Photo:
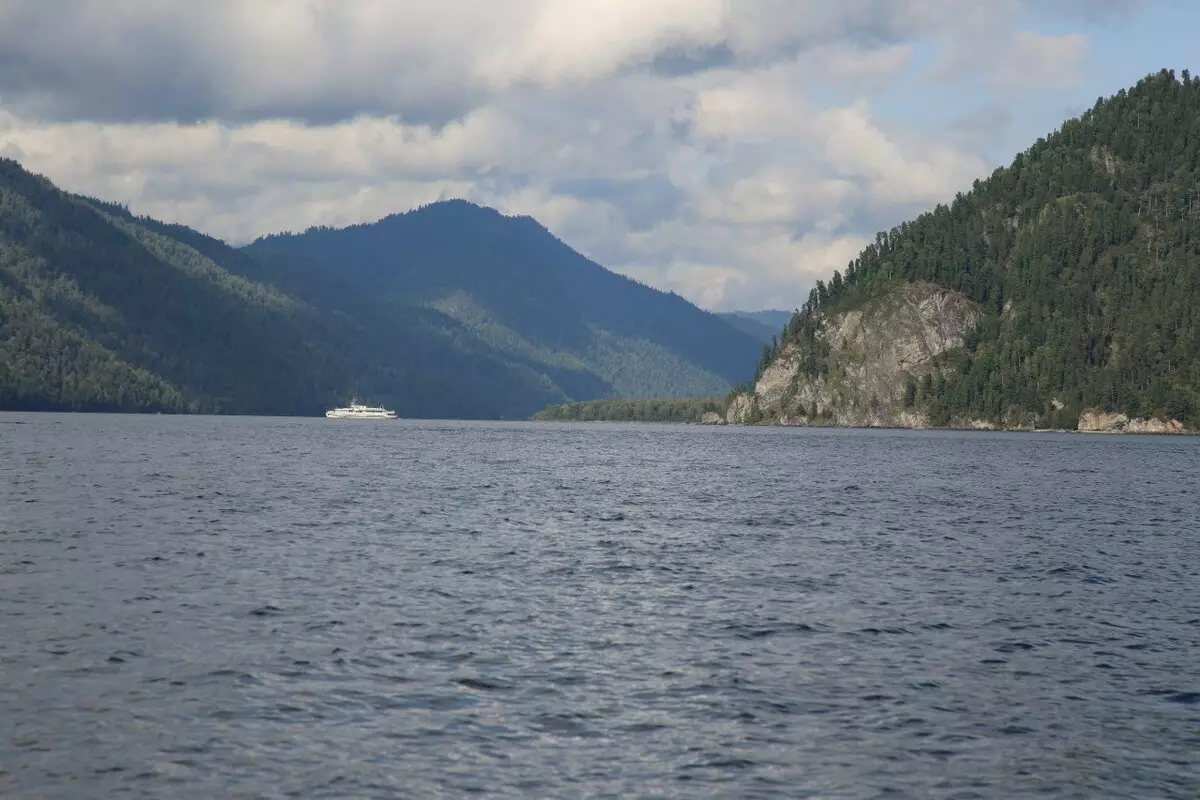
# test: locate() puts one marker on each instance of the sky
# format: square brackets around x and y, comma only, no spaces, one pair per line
[733,151]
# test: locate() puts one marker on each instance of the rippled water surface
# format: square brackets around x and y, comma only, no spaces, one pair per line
[222,607]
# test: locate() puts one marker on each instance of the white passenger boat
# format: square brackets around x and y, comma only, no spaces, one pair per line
[357,410]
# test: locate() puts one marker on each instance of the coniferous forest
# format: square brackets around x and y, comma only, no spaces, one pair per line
[1085,256]
[648,409]
[449,311]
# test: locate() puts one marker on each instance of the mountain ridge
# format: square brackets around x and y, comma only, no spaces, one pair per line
[534,291]
[102,310]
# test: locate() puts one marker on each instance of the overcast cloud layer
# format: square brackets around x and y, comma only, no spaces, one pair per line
[731,150]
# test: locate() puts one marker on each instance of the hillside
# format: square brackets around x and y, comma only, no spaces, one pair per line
[100,313]
[1074,275]
[104,311]
[507,281]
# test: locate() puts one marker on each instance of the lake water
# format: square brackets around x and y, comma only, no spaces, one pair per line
[233,607]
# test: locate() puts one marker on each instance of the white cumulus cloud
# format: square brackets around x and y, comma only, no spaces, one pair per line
[731,150]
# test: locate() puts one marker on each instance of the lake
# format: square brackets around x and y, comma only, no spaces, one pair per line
[198,607]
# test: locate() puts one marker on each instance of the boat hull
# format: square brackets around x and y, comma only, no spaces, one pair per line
[360,415]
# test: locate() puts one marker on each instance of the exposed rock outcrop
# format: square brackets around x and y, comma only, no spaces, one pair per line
[1093,421]
[874,352]
[711,418]
[741,410]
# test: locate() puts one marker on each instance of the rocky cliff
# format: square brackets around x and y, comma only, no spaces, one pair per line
[874,360]
[1093,421]
[874,366]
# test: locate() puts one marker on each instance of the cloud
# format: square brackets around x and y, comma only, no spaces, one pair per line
[1097,11]
[326,60]
[580,40]
[1017,60]
[1040,60]
[987,43]
[732,151]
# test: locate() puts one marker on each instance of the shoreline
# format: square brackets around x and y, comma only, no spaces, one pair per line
[694,423]
[963,428]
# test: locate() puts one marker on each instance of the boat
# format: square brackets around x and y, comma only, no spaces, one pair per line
[357,410]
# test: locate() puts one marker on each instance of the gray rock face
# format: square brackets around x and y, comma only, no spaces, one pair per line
[874,350]
[740,410]
[1093,421]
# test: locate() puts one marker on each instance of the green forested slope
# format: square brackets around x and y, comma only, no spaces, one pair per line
[522,291]
[1085,254]
[100,310]
[101,313]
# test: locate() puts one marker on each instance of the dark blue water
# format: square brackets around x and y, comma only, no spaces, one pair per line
[207,607]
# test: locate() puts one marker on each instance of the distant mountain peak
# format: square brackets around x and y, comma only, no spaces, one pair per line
[461,208]
[450,204]
[451,209]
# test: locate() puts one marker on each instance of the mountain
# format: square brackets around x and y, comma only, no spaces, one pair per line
[541,306]
[1063,291]
[104,311]
[98,312]
[762,325]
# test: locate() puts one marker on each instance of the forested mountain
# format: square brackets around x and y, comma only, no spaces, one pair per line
[513,285]
[100,310]
[1082,259]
